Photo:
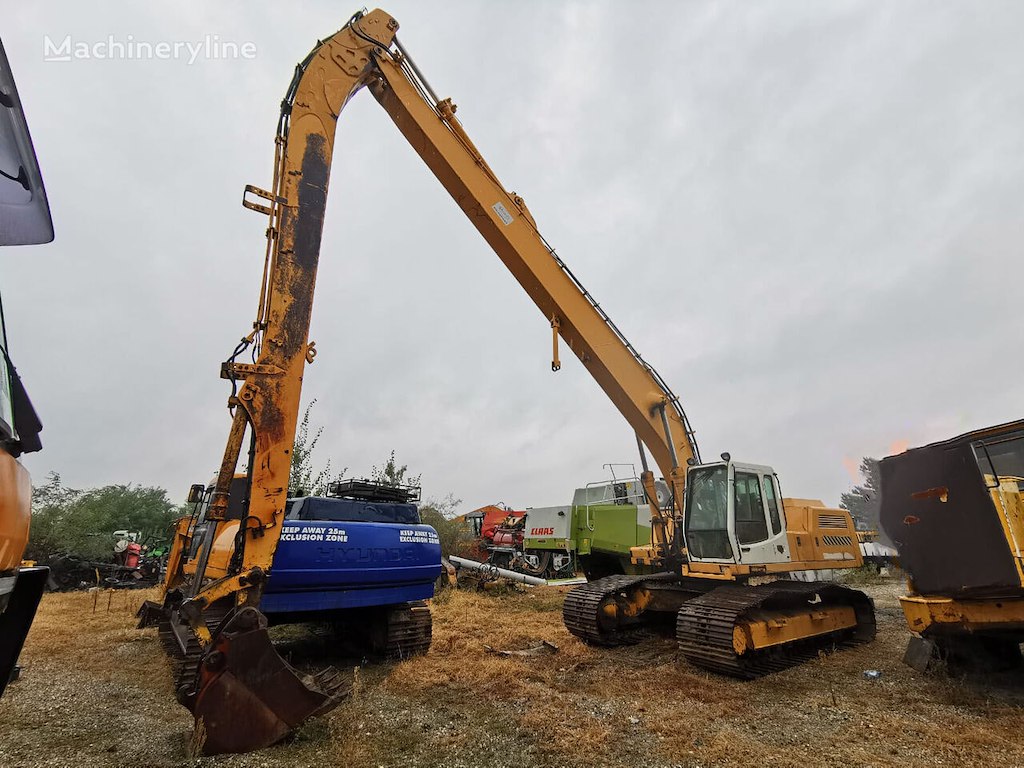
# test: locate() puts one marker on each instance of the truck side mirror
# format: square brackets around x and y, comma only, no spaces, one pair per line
[195,493]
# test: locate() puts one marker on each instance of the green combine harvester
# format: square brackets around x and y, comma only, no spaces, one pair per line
[592,536]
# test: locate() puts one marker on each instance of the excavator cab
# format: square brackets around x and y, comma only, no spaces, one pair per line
[734,514]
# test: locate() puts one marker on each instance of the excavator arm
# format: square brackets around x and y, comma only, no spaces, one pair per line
[636,389]
[233,660]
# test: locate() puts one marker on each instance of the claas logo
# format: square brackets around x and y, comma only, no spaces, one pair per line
[542,531]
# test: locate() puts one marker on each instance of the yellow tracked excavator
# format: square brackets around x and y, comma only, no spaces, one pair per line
[726,521]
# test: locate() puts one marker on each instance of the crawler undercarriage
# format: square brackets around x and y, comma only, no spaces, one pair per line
[740,630]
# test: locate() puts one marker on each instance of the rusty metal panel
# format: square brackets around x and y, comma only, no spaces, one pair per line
[941,517]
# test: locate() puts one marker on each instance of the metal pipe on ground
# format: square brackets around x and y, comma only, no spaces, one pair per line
[495,571]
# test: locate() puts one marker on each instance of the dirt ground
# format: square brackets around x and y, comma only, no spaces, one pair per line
[97,692]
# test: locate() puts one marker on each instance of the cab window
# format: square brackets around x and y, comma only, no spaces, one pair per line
[1001,460]
[771,499]
[751,526]
[707,513]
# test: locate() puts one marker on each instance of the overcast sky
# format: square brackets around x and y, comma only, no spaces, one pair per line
[806,215]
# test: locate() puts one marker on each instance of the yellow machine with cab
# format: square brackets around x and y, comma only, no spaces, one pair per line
[955,511]
[242,694]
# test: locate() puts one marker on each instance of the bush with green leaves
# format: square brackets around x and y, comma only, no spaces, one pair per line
[68,521]
[456,537]
[305,478]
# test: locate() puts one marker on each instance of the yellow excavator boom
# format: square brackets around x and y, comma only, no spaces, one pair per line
[266,392]
[227,676]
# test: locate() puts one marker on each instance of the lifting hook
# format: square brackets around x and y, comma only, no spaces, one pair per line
[555,362]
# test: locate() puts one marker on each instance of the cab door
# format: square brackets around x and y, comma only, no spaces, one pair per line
[709,520]
[758,517]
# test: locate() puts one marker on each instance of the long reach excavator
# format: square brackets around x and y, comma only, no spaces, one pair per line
[724,523]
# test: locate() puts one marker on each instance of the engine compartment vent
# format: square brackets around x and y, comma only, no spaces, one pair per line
[832,521]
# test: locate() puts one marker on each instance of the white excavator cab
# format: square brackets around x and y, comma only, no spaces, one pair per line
[734,514]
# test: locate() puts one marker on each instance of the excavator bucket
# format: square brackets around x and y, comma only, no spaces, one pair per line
[243,695]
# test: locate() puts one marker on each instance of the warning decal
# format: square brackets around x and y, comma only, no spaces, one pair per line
[407,536]
[297,533]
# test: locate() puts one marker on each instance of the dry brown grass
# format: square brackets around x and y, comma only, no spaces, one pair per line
[98,692]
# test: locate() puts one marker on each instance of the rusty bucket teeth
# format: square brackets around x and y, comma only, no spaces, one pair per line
[247,697]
